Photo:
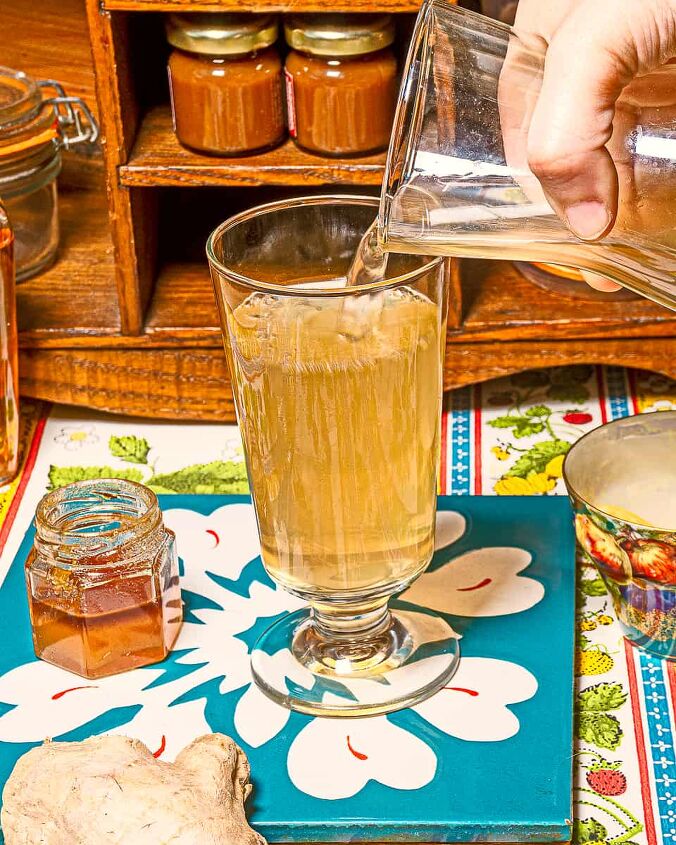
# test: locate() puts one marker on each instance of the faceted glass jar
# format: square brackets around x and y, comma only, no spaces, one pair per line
[102,579]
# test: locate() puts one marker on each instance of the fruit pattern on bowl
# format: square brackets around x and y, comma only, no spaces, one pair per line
[638,565]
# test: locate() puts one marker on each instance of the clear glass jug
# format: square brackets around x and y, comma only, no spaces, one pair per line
[457,180]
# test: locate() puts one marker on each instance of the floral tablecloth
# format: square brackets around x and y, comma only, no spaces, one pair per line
[506,437]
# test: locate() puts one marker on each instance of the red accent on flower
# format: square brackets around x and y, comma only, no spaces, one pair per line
[471,692]
[577,417]
[214,535]
[58,695]
[478,586]
[160,751]
[354,753]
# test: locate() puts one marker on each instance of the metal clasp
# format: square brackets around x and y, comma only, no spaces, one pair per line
[76,122]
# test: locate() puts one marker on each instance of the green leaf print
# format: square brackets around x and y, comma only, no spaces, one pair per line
[600,729]
[592,587]
[60,476]
[522,426]
[538,411]
[132,449]
[601,697]
[531,378]
[214,477]
[589,830]
[537,458]
[576,393]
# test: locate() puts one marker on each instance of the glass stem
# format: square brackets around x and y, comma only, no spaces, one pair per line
[352,621]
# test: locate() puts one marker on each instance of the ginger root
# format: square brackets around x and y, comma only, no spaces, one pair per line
[110,790]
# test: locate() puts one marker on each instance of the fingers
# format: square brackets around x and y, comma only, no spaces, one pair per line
[594,53]
[599,282]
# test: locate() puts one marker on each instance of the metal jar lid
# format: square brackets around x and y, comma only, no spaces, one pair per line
[339,35]
[221,34]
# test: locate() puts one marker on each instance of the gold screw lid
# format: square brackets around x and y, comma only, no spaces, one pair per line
[221,34]
[339,35]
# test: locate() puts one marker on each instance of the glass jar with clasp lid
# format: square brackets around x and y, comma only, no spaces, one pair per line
[37,121]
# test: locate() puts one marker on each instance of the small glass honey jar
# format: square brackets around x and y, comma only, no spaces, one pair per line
[102,579]
[341,82]
[225,80]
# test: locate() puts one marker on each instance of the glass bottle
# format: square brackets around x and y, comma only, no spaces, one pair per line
[9,381]
[102,578]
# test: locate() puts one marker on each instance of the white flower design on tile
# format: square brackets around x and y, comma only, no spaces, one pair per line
[336,758]
[74,437]
[213,653]
[482,582]
[475,704]
[222,543]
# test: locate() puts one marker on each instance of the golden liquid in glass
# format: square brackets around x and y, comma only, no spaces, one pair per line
[339,404]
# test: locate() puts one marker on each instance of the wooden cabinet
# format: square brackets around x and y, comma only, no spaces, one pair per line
[126,320]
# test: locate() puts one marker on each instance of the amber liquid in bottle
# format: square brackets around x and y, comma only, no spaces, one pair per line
[9,418]
[124,623]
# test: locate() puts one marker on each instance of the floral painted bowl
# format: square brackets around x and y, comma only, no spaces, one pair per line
[621,478]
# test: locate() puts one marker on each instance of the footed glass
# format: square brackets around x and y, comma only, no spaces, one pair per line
[457,180]
[338,395]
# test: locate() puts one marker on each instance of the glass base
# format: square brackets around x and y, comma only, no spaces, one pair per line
[398,660]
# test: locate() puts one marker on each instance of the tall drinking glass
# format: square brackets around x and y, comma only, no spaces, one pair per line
[458,181]
[338,395]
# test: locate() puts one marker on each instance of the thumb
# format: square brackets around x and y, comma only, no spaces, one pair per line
[600,47]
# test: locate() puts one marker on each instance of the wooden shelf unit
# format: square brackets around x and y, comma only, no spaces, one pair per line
[393,6]
[133,327]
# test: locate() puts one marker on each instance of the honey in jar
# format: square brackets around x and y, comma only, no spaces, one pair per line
[341,82]
[226,82]
[102,579]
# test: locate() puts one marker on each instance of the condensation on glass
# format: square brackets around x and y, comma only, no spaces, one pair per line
[37,121]
[102,579]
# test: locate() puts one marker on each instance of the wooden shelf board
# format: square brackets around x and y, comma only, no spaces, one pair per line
[193,384]
[71,306]
[500,304]
[158,159]
[183,307]
[256,6]
[75,299]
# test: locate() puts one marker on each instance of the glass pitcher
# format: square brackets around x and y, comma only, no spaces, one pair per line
[457,180]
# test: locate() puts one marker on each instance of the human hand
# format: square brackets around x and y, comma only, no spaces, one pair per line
[594,49]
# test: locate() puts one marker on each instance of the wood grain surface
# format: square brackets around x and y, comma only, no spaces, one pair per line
[261,5]
[157,158]
[193,384]
[76,297]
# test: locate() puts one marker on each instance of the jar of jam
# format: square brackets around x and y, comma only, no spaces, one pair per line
[102,578]
[37,121]
[226,82]
[341,82]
